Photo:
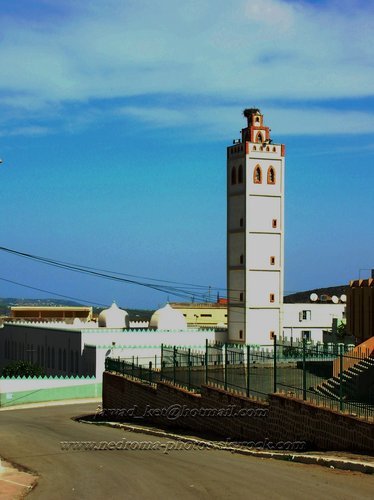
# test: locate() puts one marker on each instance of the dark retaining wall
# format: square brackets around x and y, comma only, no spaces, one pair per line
[282,419]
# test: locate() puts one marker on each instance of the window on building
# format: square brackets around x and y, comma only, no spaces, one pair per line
[240,174]
[272,297]
[274,223]
[71,367]
[241,334]
[305,315]
[241,259]
[257,175]
[233,175]
[259,137]
[271,175]
[241,222]
[205,315]
[272,335]
[241,297]
[306,335]
[76,362]
[272,260]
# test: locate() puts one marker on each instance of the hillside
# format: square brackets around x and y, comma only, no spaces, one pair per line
[301,297]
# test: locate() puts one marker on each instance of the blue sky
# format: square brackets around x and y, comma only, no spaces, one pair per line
[114,123]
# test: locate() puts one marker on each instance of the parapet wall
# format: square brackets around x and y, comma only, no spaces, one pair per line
[282,419]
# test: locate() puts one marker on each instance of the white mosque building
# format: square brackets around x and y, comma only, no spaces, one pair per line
[80,349]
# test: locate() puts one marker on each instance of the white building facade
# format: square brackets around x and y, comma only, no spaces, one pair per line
[309,320]
[255,233]
[80,349]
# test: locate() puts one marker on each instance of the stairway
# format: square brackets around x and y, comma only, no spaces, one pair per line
[356,383]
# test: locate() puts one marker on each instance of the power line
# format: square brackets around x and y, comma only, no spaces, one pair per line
[177,291]
[181,291]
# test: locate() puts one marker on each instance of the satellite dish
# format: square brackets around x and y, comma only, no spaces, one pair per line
[313,297]
[335,299]
[343,298]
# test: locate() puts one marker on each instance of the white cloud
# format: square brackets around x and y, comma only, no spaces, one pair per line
[31,130]
[250,50]
[220,121]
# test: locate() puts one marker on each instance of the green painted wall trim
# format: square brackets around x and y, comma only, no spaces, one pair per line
[52,394]
[50,377]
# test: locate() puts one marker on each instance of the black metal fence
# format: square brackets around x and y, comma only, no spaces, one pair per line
[315,373]
[136,372]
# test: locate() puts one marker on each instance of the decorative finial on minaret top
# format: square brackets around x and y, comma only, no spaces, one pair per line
[255,130]
[250,113]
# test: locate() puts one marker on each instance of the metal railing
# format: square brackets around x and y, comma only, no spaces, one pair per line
[136,372]
[303,371]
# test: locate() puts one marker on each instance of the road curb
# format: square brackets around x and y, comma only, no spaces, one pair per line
[331,462]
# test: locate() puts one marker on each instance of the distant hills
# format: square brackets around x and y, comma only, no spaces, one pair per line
[145,314]
[301,297]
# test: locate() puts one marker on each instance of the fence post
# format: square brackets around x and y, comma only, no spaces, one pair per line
[225,374]
[248,363]
[150,372]
[206,361]
[140,372]
[275,364]
[174,362]
[162,361]
[341,377]
[304,369]
[132,368]
[189,369]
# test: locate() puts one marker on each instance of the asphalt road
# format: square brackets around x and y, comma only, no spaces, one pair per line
[31,438]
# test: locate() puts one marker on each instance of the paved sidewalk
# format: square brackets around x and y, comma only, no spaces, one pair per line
[14,483]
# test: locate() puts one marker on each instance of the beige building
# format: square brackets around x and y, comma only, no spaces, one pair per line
[203,315]
[66,314]
[360,309]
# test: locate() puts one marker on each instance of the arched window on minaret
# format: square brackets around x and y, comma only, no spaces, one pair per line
[240,174]
[271,175]
[257,175]
[259,137]
[233,175]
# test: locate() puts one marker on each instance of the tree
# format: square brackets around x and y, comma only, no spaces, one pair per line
[341,331]
[22,369]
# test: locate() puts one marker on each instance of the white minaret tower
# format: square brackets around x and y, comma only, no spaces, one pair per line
[255,234]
